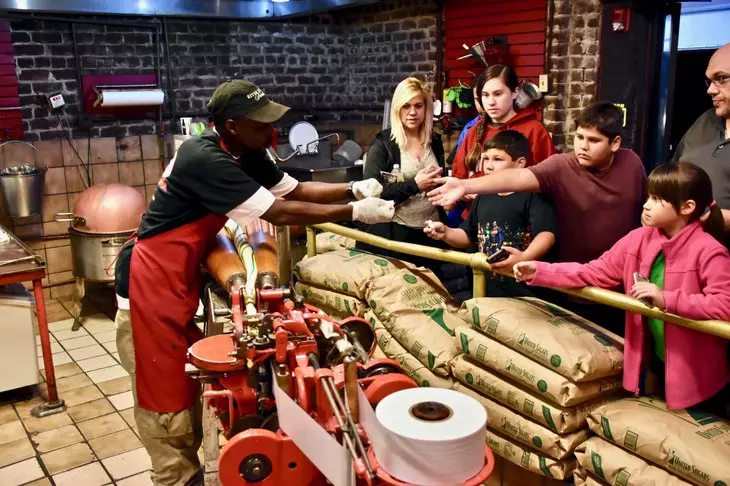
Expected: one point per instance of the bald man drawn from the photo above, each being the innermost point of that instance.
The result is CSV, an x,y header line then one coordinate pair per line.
x,y
707,142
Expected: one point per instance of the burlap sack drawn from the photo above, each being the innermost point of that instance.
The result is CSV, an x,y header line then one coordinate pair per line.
x,y
378,352
537,378
688,443
328,301
494,386
331,242
548,334
509,424
528,459
413,289
581,477
616,466
412,366
411,304
346,271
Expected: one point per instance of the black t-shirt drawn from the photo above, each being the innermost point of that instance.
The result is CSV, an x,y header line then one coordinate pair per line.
x,y
513,220
202,179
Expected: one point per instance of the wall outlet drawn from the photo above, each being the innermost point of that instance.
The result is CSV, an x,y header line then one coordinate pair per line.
x,y
544,82
56,101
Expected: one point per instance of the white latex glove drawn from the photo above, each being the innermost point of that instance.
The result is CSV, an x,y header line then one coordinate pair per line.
x,y
372,210
367,188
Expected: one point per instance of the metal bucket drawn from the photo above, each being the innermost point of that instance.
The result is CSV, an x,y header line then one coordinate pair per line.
x,y
22,193
527,94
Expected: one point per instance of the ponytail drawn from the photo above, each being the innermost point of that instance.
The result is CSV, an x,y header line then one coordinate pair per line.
x,y
715,223
472,158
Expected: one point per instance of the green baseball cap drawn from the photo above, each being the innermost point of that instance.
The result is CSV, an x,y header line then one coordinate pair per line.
x,y
239,98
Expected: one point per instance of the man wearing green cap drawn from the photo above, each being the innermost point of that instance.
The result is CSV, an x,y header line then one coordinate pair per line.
x,y
225,173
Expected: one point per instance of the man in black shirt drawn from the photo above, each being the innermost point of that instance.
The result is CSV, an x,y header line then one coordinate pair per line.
x,y
222,174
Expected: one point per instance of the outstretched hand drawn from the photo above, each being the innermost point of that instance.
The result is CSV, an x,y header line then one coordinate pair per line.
x,y
525,271
449,192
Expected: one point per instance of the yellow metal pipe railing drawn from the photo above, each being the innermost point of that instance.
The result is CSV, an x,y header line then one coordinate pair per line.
x,y
478,263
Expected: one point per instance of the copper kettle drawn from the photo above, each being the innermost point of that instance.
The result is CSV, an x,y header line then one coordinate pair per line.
x,y
106,208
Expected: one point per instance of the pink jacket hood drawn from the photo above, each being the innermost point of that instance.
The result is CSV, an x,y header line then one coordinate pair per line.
x,y
696,286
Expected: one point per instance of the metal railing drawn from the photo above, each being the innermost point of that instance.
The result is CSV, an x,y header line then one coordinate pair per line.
x,y
479,265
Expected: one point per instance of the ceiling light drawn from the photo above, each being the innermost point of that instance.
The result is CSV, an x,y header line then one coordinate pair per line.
x,y
279,1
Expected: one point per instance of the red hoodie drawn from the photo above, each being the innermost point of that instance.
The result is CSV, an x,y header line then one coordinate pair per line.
x,y
525,122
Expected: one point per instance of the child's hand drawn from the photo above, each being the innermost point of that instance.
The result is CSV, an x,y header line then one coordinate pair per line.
x,y
647,290
524,271
435,230
515,257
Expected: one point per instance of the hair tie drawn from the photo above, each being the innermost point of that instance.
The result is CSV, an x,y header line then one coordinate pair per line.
x,y
713,204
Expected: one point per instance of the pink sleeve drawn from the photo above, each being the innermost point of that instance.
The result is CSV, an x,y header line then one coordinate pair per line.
x,y
714,301
606,272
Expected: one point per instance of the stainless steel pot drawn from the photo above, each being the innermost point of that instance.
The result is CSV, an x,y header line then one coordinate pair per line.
x,y
93,254
103,219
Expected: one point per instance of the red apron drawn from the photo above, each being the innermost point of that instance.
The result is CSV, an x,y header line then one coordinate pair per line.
x,y
164,290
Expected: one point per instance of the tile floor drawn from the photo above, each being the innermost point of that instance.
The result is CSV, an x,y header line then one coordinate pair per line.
x,y
94,442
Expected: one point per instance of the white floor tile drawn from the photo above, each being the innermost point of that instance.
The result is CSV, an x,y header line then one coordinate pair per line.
x,y
106,337
96,363
69,334
111,346
106,374
122,401
61,325
89,475
21,473
38,339
87,352
95,326
55,348
128,464
79,342
143,479
58,359
116,356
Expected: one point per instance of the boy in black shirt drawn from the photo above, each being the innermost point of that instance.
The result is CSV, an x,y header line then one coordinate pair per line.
x,y
522,223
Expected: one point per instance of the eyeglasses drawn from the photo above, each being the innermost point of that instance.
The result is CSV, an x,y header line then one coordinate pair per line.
x,y
718,81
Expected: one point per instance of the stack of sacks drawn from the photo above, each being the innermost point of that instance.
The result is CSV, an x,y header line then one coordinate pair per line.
x,y
539,371
415,321
600,459
336,281
331,242
643,443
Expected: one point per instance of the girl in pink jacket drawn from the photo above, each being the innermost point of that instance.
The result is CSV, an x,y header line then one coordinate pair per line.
x,y
688,274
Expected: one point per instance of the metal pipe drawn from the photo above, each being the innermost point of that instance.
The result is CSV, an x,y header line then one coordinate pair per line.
x,y
284,239
479,280
80,20
171,88
312,241
477,261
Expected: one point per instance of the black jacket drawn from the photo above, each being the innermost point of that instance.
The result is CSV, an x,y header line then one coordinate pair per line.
x,y
384,153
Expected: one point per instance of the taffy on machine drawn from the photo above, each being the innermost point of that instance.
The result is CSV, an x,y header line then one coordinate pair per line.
x,y
281,352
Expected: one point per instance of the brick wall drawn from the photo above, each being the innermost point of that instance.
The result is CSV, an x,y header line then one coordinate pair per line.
x,y
573,61
134,160
340,66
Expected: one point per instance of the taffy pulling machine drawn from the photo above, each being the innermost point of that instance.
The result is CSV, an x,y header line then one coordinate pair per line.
x,y
266,349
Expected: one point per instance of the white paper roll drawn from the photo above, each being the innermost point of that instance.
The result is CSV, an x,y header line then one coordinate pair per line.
x,y
139,97
433,437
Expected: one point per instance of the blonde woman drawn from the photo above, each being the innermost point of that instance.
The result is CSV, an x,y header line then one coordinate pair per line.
x,y
411,144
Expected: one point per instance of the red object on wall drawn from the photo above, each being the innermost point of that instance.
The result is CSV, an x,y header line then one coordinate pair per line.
x,y
11,120
620,19
523,22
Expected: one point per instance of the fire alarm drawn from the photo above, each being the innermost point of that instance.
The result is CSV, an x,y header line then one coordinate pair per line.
x,y
621,19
